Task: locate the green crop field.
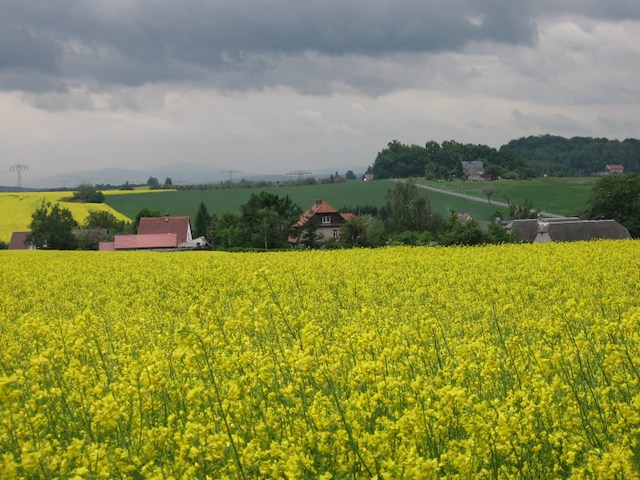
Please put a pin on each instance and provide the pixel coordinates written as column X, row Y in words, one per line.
column 445, row 204
column 566, row 196
column 338, row 195
column 186, row 202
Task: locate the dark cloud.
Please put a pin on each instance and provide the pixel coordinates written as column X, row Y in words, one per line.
column 136, row 42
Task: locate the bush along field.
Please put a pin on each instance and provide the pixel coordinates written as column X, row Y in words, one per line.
column 476, row 362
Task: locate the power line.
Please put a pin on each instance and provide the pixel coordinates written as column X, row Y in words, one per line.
column 298, row 173
column 231, row 173
column 19, row 168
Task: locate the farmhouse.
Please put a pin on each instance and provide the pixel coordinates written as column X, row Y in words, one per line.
column 157, row 233
column 614, row 169
column 473, row 170
column 325, row 220
column 567, row 229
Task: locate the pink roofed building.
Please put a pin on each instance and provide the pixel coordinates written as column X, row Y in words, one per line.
column 154, row 233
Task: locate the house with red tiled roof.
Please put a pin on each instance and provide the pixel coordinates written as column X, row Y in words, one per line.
column 614, row 169
column 328, row 223
column 181, row 226
column 155, row 233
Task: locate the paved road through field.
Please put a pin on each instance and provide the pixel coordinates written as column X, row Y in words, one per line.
column 478, row 199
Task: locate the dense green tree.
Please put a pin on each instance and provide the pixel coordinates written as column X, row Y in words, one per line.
column 265, row 229
column 51, row 227
column 360, row 210
column 354, row 231
column 523, row 210
column 577, row 156
column 267, row 220
column 226, row 231
column 3, row 245
column 153, row 183
column 350, row 175
column 168, row 183
column 408, row 209
column 499, row 234
column 87, row 193
column 203, row 219
column 463, row 233
column 436, row 161
column 618, row 198
column 106, row 220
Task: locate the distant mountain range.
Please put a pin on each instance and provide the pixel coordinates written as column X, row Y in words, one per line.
column 178, row 172
column 182, row 173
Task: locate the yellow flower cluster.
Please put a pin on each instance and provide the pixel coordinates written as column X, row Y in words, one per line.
column 486, row 362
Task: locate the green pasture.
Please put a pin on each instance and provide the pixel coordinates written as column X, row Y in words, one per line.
column 445, row 204
column 218, row 201
column 565, row 196
column 556, row 195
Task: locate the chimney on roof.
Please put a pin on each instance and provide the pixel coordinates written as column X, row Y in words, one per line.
column 318, row 201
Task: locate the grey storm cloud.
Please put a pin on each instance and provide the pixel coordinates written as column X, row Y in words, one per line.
column 599, row 9
column 47, row 45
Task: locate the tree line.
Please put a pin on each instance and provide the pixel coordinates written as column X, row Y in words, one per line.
column 521, row 158
column 578, row 156
column 444, row 161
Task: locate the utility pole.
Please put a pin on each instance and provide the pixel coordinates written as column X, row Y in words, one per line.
column 19, row 168
column 231, row 173
column 298, row 173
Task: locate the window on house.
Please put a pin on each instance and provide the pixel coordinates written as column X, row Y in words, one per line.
column 336, row 234
column 326, row 219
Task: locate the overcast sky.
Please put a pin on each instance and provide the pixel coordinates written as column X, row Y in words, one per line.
column 270, row 86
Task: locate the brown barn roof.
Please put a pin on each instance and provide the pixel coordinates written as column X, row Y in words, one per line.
column 18, row 241
column 525, row 230
column 181, row 226
column 573, row 231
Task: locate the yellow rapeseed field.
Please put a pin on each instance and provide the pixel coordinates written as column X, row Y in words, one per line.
column 16, row 209
column 487, row 362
